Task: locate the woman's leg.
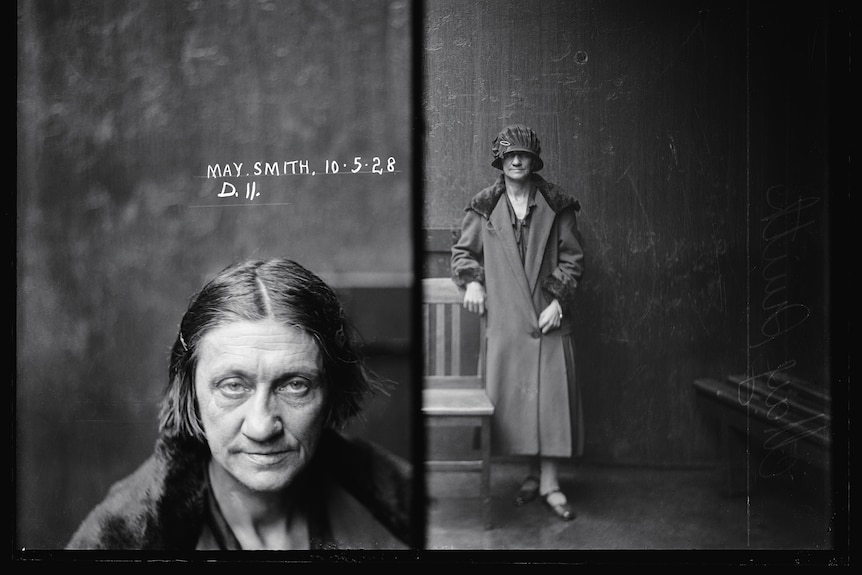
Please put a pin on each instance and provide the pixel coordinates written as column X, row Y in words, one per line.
column 549, row 489
column 530, row 487
column 548, row 476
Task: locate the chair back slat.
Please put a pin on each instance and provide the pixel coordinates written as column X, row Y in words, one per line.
column 440, row 354
column 455, row 339
column 447, row 327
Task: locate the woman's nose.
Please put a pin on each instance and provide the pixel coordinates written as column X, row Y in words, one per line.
column 262, row 422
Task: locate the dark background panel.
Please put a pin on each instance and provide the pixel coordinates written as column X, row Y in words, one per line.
column 122, row 109
column 694, row 135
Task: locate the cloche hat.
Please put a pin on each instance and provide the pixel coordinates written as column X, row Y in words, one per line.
column 517, row 138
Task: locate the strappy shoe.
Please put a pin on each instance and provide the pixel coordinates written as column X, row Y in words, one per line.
column 528, row 492
column 562, row 510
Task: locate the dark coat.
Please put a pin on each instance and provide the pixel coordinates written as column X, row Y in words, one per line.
column 527, row 378
column 162, row 505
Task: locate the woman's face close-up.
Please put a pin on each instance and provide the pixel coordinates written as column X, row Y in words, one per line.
column 517, row 165
column 262, row 401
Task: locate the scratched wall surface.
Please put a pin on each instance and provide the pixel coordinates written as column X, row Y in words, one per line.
column 642, row 109
column 122, row 106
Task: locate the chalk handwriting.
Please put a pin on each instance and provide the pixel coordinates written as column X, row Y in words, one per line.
column 300, row 167
column 231, row 170
column 778, row 230
column 780, row 227
column 357, row 165
column 375, row 165
column 781, row 441
column 290, row 168
column 228, row 190
column 745, row 388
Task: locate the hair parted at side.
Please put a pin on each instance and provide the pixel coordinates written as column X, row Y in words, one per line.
column 278, row 289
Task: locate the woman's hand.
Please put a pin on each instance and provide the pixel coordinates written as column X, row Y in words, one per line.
column 551, row 317
column 474, row 298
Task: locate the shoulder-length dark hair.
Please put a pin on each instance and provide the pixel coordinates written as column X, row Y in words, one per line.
column 278, row 289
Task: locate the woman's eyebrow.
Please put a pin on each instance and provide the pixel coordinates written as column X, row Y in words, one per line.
column 310, row 371
column 304, row 369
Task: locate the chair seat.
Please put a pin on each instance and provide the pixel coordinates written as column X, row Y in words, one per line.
column 454, row 402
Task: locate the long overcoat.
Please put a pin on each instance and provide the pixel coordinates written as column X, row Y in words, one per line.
column 528, row 380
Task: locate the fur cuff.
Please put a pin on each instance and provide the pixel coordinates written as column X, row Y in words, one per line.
column 465, row 276
column 564, row 292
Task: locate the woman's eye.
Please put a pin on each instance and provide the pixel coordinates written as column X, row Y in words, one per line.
column 233, row 387
column 296, row 386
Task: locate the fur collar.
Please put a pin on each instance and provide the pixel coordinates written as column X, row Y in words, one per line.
column 484, row 202
column 159, row 506
column 162, row 504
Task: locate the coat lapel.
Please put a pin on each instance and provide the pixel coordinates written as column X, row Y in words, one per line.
column 503, row 226
column 540, row 228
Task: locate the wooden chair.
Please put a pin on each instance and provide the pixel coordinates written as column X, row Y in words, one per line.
column 452, row 395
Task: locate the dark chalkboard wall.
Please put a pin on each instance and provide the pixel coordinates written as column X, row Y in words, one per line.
column 124, row 109
column 670, row 121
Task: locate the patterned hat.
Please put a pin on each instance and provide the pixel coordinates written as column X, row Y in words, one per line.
column 517, row 138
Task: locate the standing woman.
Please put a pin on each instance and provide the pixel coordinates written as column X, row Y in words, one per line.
column 519, row 259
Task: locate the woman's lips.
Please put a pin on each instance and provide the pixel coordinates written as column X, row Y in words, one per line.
column 267, row 458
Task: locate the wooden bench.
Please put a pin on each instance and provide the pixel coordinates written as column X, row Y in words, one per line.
column 766, row 414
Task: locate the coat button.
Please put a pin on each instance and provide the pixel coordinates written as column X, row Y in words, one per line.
column 536, row 334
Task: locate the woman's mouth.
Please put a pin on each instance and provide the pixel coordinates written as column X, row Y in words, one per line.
column 267, row 458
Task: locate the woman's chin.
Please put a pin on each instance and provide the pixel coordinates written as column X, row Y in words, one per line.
column 273, row 477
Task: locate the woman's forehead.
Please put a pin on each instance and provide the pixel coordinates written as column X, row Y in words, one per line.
column 250, row 339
